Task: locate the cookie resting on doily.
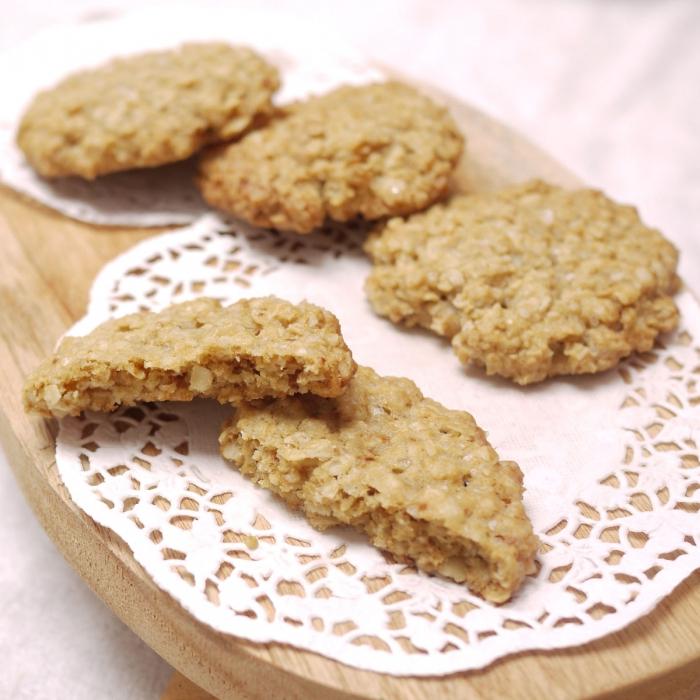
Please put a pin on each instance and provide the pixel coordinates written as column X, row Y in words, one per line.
column 249, row 350
column 422, row 481
column 146, row 110
column 368, row 151
column 528, row 282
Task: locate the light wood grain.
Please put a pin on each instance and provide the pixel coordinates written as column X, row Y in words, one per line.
column 181, row 688
column 46, row 267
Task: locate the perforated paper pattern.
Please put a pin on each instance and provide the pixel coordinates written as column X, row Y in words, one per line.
column 611, row 466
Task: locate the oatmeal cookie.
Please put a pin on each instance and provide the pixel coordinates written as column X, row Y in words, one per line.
column 251, row 349
column 370, row 151
column 146, row 110
column 421, row 480
column 529, row 282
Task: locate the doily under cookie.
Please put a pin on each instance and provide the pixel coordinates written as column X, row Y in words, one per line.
column 611, row 468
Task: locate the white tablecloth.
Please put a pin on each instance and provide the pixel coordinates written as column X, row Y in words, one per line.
column 610, row 88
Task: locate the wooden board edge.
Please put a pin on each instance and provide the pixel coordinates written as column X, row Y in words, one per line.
column 166, row 636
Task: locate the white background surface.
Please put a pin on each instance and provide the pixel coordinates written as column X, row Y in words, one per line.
column 609, row 87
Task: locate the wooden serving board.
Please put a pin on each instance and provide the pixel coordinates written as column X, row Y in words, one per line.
column 47, row 264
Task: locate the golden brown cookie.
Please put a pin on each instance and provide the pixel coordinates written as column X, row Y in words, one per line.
column 370, row 151
column 251, row 349
column 421, row 480
column 146, row 110
column 529, row 282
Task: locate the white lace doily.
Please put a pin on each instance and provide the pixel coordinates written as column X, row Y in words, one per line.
column 611, row 468
column 309, row 62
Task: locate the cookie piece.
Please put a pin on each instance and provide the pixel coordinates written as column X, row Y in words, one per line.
column 421, row 480
column 146, row 110
column 529, row 282
column 251, row 349
column 370, row 151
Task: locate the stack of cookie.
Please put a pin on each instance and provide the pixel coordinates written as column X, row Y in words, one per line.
column 370, row 151
column 529, row 282
column 340, row 443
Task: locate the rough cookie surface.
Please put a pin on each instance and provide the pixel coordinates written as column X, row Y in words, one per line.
column 529, row 282
column 251, row 349
column 373, row 150
column 419, row 479
column 146, row 110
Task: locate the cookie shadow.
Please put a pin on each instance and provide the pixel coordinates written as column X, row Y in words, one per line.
column 332, row 241
column 167, row 188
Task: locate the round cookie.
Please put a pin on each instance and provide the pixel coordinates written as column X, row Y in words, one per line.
column 370, row 151
column 529, row 282
column 146, row 110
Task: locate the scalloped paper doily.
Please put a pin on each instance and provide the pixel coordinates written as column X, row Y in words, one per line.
column 309, row 63
column 611, row 468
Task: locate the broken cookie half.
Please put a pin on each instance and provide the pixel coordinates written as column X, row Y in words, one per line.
column 249, row 350
column 421, row 480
